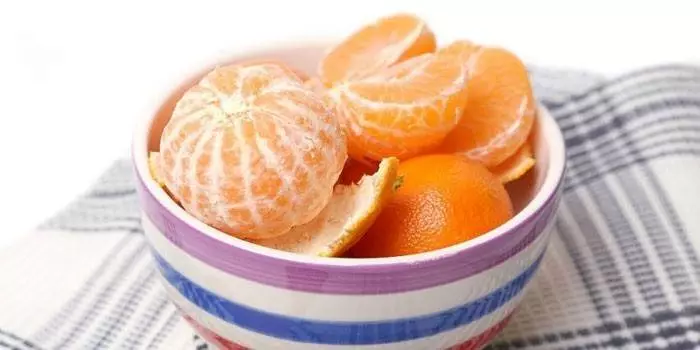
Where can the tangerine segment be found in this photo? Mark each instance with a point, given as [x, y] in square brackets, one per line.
[377, 46]
[252, 152]
[407, 109]
[444, 200]
[516, 166]
[500, 112]
[346, 218]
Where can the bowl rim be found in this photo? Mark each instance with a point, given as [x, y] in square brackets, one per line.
[548, 128]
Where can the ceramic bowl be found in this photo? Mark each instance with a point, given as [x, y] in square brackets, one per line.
[240, 295]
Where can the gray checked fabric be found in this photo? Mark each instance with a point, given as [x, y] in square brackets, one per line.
[623, 270]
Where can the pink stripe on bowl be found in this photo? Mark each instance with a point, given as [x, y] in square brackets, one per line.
[346, 279]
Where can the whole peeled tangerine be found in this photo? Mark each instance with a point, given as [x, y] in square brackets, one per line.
[252, 152]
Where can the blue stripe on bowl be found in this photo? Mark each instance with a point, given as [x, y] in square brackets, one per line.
[344, 333]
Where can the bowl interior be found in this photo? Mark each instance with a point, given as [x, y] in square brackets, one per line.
[546, 137]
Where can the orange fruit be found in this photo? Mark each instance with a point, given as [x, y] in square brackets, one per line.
[252, 152]
[350, 212]
[376, 46]
[516, 166]
[408, 108]
[500, 110]
[444, 200]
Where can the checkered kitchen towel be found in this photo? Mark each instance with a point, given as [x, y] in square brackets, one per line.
[622, 272]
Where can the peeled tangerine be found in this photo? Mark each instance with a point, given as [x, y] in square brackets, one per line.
[251, 151]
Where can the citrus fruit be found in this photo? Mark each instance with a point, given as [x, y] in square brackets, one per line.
[500, 109]
[516, 166]
[444, 199]
[348, 215]
[406, 109]
[252, 152]
[376, 46]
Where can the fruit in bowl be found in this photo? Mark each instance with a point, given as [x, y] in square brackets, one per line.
[398, 197]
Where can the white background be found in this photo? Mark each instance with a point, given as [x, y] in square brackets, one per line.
[75, 76]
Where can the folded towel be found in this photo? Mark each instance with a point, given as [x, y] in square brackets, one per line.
[622, 270]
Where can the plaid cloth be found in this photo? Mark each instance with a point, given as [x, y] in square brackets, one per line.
[622, 270]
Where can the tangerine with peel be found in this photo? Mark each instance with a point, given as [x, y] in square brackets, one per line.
[444, 200]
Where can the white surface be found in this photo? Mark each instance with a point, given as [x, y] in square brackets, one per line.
[75, 75]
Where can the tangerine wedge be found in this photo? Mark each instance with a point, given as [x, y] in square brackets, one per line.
[408, 108]
[500, 110]
[388, 40]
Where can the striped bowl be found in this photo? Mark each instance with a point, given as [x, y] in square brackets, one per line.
[238, 295]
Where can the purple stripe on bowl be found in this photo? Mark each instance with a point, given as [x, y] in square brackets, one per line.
[337, 279]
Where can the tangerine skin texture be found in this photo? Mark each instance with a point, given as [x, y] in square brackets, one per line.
[444, 200]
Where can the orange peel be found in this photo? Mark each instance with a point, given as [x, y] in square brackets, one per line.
[343, 222]
[516, 165]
